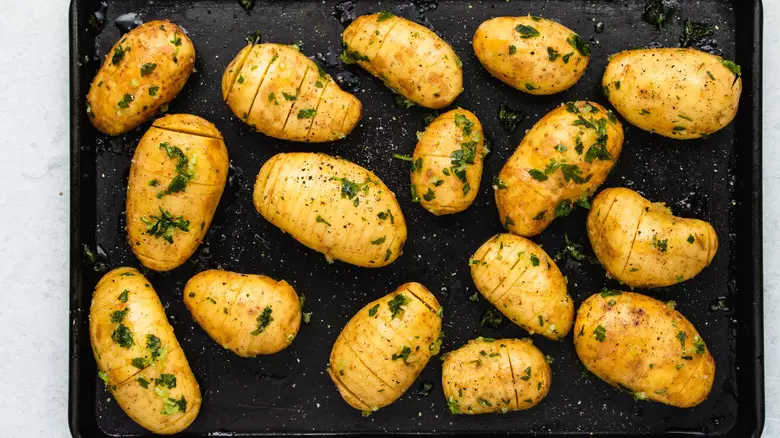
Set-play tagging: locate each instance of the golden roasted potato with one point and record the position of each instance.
(141, 75)
(641, 244)
(413, 60)
(280, 92)
(177, 177)
(446, 166)
(247, 314)
(138, 356)
(385, 346)
(533, 54)
(677, 93)
(332, 206)
(561, 160)
(495, 375)
(524, 284)
(645, 346)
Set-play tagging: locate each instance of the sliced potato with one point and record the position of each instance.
(523, 283)
(332, 206)
(280, 92)
(138, 356)
(561, 160)
(385, 346)
(446, 166)
(142, 74)
(495, 375)
(247, 314)
(643, 345)
(641, 244)
(409, 58)
(677, 93)
(177, 177)
(532, 54)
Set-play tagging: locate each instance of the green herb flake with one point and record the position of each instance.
(372, 311)
(579, 44)
(263, 321)
(552, 54)
(537, 175)
(126, 100)
(682, 336)
(404, 354)
(123, 336)
(165, 381)
(526, 31)
(600, 333)
(118, 316)
(165, 225)
(512, 49)
(307, 113)
(320, 220)
(397, 305)
(534, 260)
(691, 239)
(384, 15)
(660, 245)
(123, 296)
(148, 68)
(143, 382)
(174, 406)
(378, 241)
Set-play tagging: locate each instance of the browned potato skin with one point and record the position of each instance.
(227, 306)
(444, 136)
(641, 244)
(523, 283)
(145, 316)
(202, 143)
(526, 206)
(529, 68)
(271, 87)
(302, 194)
(150, 42)
(361, 361)
(502, 375)
(674, 92)
(642, 350)
(409, 58)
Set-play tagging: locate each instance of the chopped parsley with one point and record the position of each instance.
(165, 381)
(498, 184)
(579, 44)
(307, 113)
(123, 296)
(526, 31)
(397, 305)
(163, 226)
(600, 333)
(701, 348)
(352, 57)
(126, 100)
(404, 354)
(118, 316)
(534, 260)
(143, 382)
(527, 374)
(512, 49)
(609, 293)
(290, 97)
(174, 406)
(682, 336)
(263, 320)
(123, 336)
(691, 239)
(509, 118)
(320, 220)
(384, 15)
(660, 245)
(552, 54)
(378, 241)
(185, 170)
(119, 53)
(372, 311)
(148, 68)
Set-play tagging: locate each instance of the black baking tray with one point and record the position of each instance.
(717, 179)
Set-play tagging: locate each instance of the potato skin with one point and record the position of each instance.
(414, 61)
(229, 307)
(524, 283)
(151, 173)
(127, 91)
(677, 93)
(547, 62)
(451, 134)
(641, 244)
(647, 347)
(385, 346)
(502, 375)
(278, 91)
(550, 169)
(332, 206)
(125, 300)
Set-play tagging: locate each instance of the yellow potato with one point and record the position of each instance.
(645, 346)
(561, 160)
(446, 166)
(280, 92)
(409, 58)
(141, 75)
(524, 283)
(677, 93)
(533, 54)
(138, 356)
(385, 346)
(489, 375)
(247, 314)
(641, 244)
(177, 177)
(332, 206)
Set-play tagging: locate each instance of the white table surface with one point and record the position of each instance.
(34, 217)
